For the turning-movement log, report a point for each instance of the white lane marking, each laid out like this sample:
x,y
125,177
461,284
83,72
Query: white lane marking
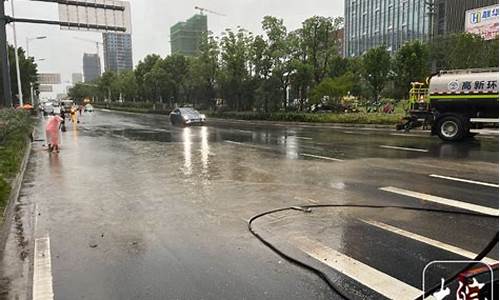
x,y
465,180
372,278
233,142
408,134
42,270
429,241
449,202
248,145
301,137
357,132
320,157
404,148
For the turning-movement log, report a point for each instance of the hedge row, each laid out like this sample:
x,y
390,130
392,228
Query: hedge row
x,y
349,118
15,128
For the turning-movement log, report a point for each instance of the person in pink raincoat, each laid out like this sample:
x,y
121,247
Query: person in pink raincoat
x,y
52,131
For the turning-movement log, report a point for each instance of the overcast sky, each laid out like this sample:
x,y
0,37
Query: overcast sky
x,y
151,21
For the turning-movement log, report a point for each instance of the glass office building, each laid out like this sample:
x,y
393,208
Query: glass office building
x,y
372,23
117,51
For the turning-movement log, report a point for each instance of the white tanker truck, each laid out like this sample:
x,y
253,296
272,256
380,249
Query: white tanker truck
x,y
455,102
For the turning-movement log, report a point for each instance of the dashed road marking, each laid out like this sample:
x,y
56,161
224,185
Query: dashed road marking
x,y
465,180
320,157
449,202
235,143
357,132
429,241
408,135
301,137
372,278
404,148
42,270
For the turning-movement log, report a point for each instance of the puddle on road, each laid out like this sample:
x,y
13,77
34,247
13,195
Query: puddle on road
x,y
133,134
144,135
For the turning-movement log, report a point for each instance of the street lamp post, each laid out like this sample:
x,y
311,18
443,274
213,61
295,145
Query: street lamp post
x,y
28,39
16,55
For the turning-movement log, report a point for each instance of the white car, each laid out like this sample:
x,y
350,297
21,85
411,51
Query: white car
x,y
48,108
89,108
57,110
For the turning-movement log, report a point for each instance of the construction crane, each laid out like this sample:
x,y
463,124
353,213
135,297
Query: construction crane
x,y
97,43
201,9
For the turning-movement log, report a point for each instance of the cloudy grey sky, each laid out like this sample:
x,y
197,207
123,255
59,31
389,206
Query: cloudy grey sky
x,y
151,21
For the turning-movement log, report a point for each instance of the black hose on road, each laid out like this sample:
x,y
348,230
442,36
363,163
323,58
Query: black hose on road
x,y
324,277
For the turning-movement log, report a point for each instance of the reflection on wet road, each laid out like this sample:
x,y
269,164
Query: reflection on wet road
x,y
138,209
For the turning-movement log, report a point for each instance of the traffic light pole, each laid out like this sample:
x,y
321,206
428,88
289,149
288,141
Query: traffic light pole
x,y
4,58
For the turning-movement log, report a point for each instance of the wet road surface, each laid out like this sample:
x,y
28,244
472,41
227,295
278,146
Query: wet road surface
x,y
133,208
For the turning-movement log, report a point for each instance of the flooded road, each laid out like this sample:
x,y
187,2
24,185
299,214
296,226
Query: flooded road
x,y
137,209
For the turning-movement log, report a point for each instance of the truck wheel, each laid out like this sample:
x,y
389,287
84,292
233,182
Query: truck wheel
x,y
451,128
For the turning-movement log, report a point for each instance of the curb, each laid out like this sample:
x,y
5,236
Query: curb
x,y
14,195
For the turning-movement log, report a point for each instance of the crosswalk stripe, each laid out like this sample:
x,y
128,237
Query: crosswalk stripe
x,y
372,278
465,180
42,270
320,157
449,202
429,241
404,148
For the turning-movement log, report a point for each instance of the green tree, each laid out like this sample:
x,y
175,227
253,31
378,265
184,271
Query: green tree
x,y
126,84
29,74
376,69
142,68
320,43
81,91
234,76
411,64
204,71
332,89
301,76
177,68
158,83
279,54
106,86
462,51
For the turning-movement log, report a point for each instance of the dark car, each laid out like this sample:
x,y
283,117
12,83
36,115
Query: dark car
x,y
187,116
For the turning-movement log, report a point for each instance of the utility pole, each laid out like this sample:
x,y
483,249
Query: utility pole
x,y
4,58
18,71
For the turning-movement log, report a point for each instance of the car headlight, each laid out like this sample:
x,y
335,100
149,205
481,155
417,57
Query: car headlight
x,y
203,116
185,118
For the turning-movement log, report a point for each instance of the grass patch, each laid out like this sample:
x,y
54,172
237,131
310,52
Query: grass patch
x,y
15,127
347,118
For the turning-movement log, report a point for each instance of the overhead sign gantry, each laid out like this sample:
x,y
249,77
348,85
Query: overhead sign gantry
x,y
88,15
